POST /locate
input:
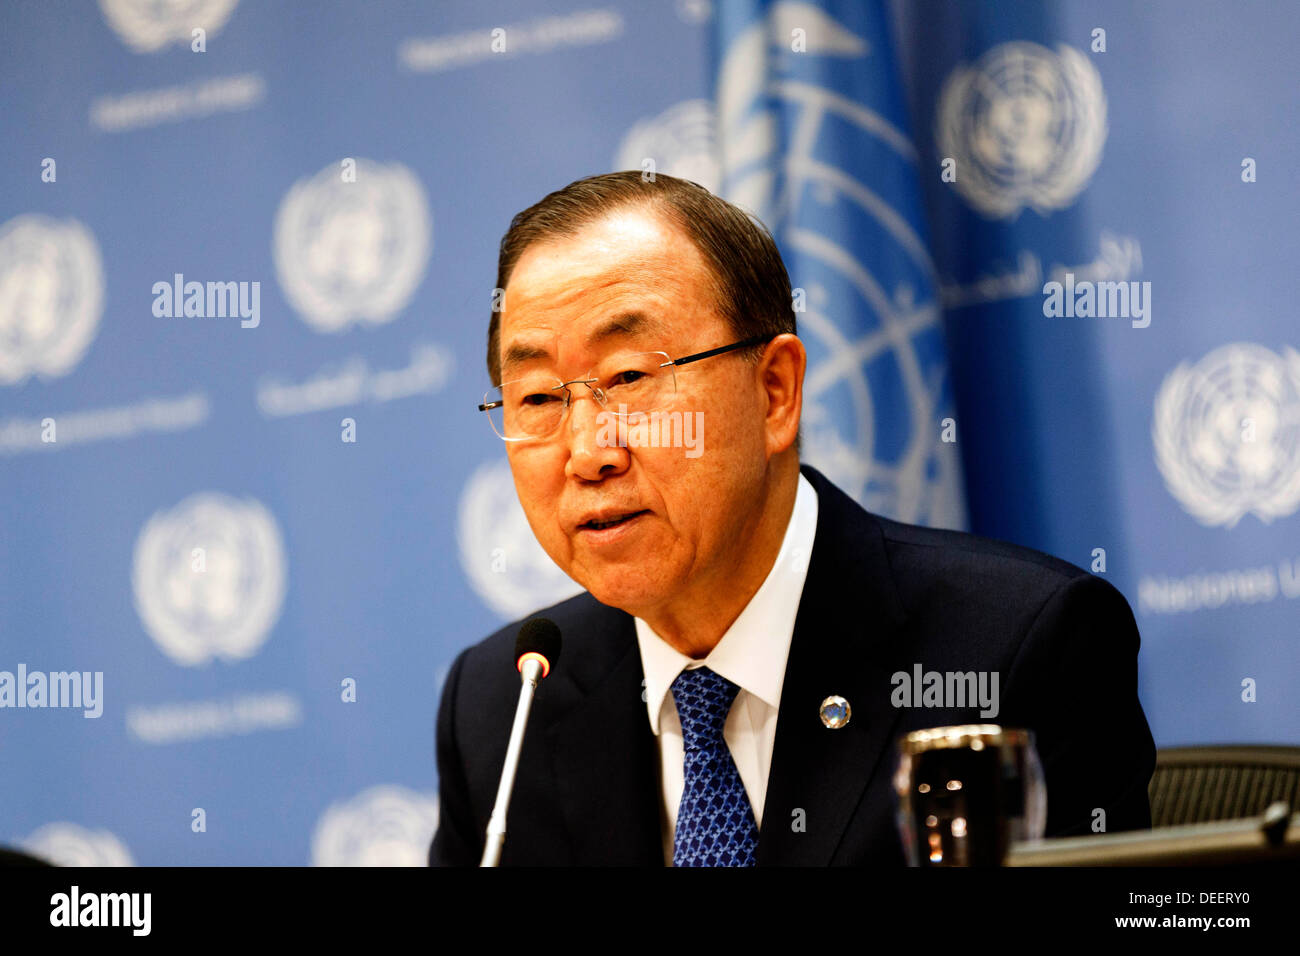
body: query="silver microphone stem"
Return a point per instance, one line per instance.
(496, 829)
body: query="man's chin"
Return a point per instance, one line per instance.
(636, 597)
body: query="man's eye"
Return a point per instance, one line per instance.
(627, 378)
(539, 398)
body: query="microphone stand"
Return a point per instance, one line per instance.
(496, 829)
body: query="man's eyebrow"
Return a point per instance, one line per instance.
(520, 352)
(626, 324)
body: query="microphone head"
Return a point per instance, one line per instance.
(539, 638)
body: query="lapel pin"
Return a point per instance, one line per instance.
(835, 712)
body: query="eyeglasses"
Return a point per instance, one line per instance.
(623, 384)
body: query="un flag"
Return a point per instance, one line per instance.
(812, 137)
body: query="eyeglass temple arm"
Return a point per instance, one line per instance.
(744, 344)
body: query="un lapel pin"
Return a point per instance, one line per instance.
(835, 712)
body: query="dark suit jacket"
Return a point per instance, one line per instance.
(879, 597)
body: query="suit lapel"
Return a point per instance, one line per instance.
(847, 641)
(605, 763)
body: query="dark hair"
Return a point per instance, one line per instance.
(751, 287)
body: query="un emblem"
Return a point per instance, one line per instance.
(382, 826)
(680, 141)
(505, 565)
(209, 578)
(850, 234)
(51, 296)
(352, 251)
(68, 844)
(1026, 127)
(147, 26)
(1227, 434)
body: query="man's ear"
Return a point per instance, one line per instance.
(780, 373)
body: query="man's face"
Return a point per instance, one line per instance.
(631, 282)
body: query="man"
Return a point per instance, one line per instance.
(731, 595)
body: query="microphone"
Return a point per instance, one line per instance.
(537, 648)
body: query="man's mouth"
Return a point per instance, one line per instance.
(610, 521)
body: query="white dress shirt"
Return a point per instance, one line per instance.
(752, 655)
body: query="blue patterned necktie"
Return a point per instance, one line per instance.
(715, 823)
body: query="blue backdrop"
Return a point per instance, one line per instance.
(246, 258)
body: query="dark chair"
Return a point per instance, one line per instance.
(11, 857)
(1199, 784)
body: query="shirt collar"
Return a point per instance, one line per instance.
(752, 653)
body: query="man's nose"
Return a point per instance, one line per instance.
(592, 435)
